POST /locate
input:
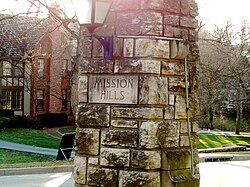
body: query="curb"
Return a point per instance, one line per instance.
(35, 170)
(222, 157)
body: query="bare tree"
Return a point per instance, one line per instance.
(225, 65)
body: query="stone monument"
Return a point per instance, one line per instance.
(137, 112)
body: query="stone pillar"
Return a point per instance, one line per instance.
(132, 122)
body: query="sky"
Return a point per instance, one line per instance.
(217, 12)
(212, 12)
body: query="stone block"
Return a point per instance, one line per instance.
(93, 160)
(166, 180)
(180, 107)
(83, 66)
(181, 178)
(166, 5)
(184, 141)
(171, 100)
(169, 113)
(125, 5)
(115, 157)
(184, 128)
(143, 23)
(172, 20)
(93, 116)
(176, 160)
(124, 124)
(193, 81)
(193, 8)
(139, 179)
(188, 22)
(128, 50)
(176, 84)
(185, 7)
(101, 66)
(195, 126)
(87, 141)
(138, 66)
(193, 35)
(142, 159)
(83, 89)
(137, 113)
(152, 48)
(170, 31)
(102, 177)
(173, 69)
(194, 107)
(118, 48)
(125, 138)
(80, 167)
(158, 134)
(153, 90)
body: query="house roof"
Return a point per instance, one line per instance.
(20, 34)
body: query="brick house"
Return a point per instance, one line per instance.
(35, 59)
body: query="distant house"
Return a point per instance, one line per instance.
(35, 59)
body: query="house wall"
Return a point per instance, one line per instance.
(51, 47)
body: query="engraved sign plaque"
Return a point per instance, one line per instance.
(113, 89)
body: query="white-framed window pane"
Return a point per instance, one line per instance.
(4, 82)
(6, 68)
(16, 82)
(39, 94)
(40, 67)
(9, 82)
(20, 81)
(18, 69)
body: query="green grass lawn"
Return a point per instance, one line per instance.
(67, 130)
(13, 157)
(213, 141)
(30, 137)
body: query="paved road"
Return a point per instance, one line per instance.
(40, 180)
(225, 174)
(213, 174)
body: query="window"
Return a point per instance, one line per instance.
(12, 99)
(40, 99)
(6, 68)
(40, 67)
(16, 102)
(18, 69)
(64, 99)
(64, 67)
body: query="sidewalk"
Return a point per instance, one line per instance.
(27, 148)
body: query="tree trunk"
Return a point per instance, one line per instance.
(237, 127)
(211, 118)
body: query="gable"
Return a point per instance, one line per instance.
(19, 34)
